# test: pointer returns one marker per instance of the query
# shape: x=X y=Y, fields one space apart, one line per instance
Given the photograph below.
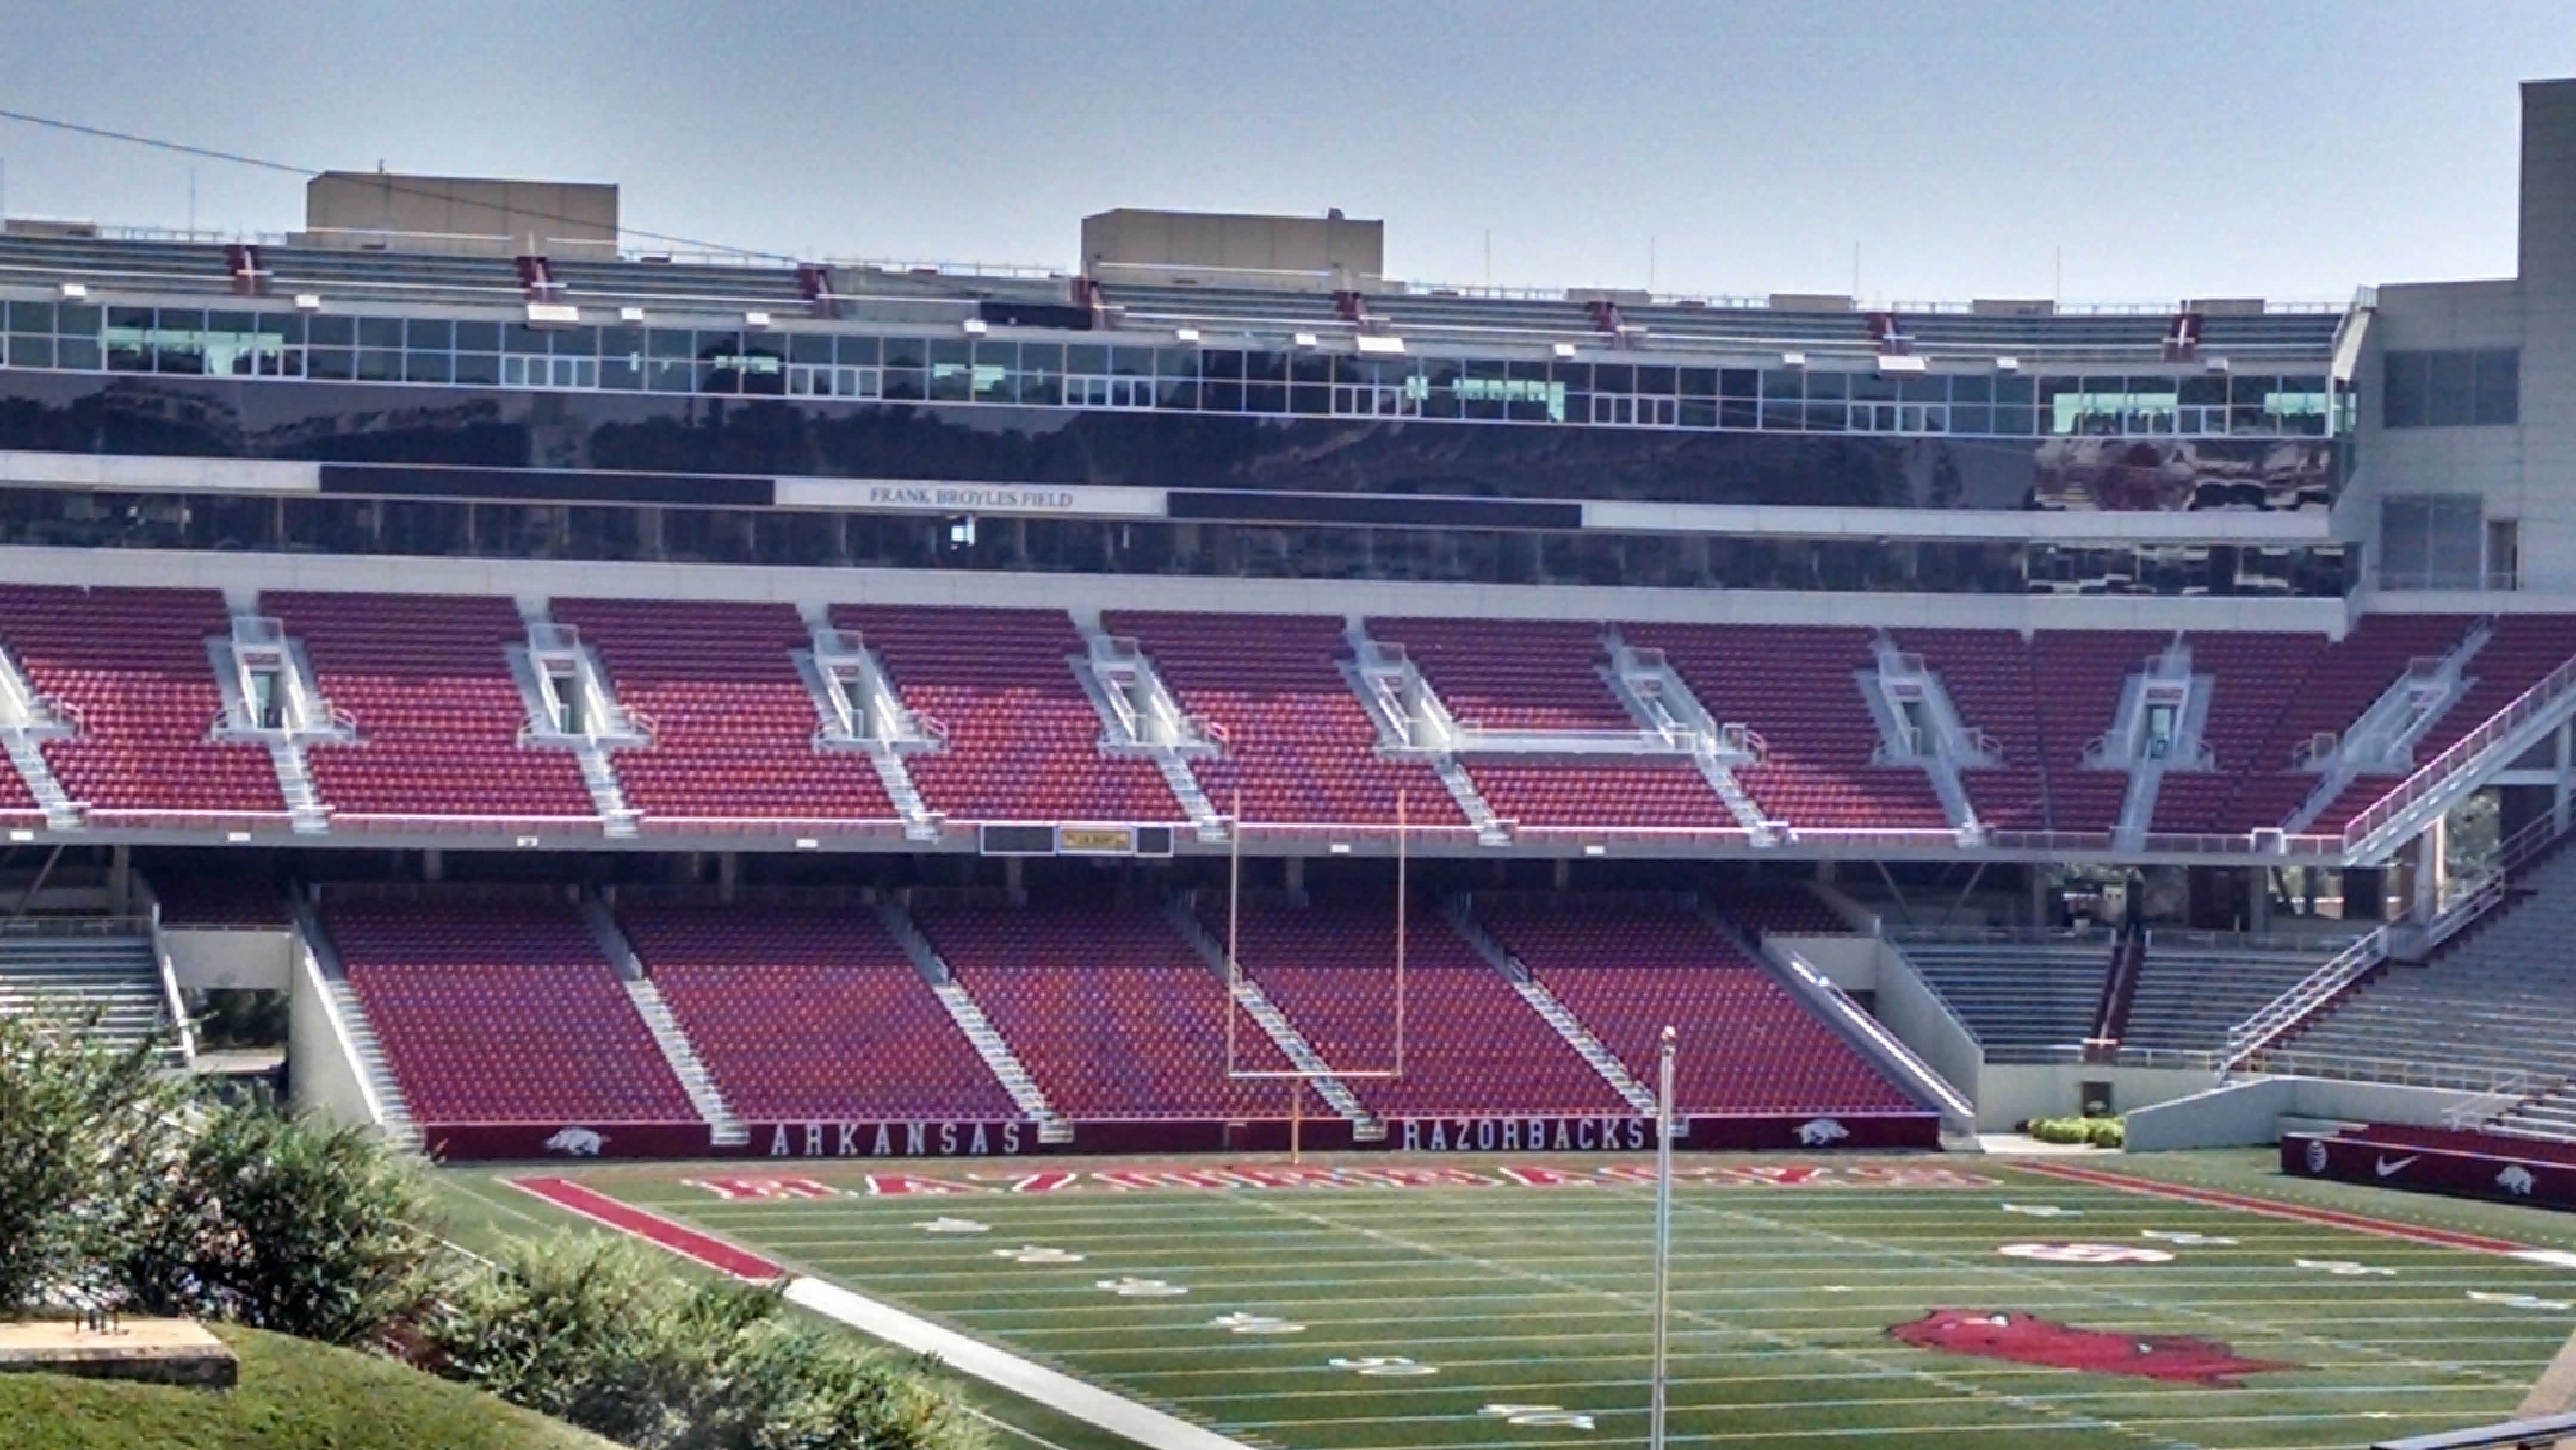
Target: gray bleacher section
x=2194 y=988
x=66 y=978
x=2028 y=997
x=2499 y=999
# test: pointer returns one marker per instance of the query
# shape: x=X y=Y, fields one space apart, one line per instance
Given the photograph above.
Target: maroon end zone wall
x=772 y=1142
x=2460 y=1172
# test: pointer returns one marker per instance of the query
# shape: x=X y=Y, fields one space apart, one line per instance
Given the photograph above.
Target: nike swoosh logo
x=2384 y=1167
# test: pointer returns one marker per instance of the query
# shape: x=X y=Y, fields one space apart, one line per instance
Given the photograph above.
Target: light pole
x=1663 y=1232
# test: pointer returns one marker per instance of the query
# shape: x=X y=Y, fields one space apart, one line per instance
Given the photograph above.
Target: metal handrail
x=2463 y=755
x=2311 y=991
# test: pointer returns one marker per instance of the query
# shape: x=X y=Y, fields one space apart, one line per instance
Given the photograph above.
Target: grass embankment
x=293 y=1395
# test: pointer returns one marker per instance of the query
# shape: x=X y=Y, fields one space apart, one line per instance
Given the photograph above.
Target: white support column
x=728 y=876
x=433 y=864
x=2431 y=867
x=120 y=880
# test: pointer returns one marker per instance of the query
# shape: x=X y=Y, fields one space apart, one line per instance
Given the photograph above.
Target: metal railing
x=2465 y=754
x=2405 y=1072
x=2310 y=992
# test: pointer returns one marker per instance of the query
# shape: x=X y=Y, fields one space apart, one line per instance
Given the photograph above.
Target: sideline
x=1096 y=1407
x=2441 y=1238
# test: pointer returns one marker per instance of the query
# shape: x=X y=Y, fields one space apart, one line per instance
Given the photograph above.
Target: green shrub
x=82 y=1129
x=599 y=1333
x=2100 y=1132
x=283 y=1223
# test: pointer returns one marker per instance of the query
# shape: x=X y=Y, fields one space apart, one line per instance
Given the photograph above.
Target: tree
x=82 y=1127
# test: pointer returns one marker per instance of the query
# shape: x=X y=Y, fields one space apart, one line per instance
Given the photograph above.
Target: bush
x=2100 y=1132
x=82 y=1129
x=599 y=1333
x=286 y=1224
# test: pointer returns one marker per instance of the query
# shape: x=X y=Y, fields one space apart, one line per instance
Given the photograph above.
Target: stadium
x=1073 y=743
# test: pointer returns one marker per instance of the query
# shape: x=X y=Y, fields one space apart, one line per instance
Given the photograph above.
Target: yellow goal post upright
x=1297 y=1077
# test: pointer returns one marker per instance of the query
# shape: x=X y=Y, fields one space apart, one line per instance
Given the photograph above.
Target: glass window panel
x=951 y=352
x=1971 y=418
x=904 y=383
x=31 y=317
x=31 y=352
x=575 y=341
x=810 y=347
x=2447 y=394
x=478 y=367
x=1699 y=382
x=1738 y=383
x=332 y=331
x=80 y=321
x=1613 y=378
x=1091 y=360
x=1738 y=413
x=995 y=358
x=1968 y=388
x=1828 y=387
x=2404 y=390
x=2496 y=386
x=1866 y=387
x=907 y=352
x=383 y=332
x=1176 y=362
x=1662 y=382
x=2016 y=422
x=1783 y=384
x=232 y=322
x=623 y=372
x=380 y=365
x=428 y=367
x=328 y=362
x=519 y=337
x=78 y=353
x=432 y=333
x=1042 y=357
x=478 y=337
x=135 y=319
x=1131 y=362
x=856 y=351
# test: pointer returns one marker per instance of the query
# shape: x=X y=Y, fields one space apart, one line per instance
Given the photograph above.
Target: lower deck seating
x=2499 y=998
x=2022 y=999
x=1744 y=1044
x=1112 y=1012
x=1589 y=793
x=2189 y=996
x=503 y=1013
x=109 y=987
x=811 y=1014
x=1471 y=1046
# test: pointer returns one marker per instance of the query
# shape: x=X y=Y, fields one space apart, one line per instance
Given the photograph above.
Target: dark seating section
x=427 y=679
x=133 y=662
x=733 y=722
x=503 y=1013
x=807 y=1014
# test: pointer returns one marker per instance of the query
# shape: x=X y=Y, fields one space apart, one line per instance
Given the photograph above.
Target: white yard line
x=1060 y=1392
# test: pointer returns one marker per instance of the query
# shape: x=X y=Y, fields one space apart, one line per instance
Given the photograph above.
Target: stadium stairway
x=2028 y=996
x=962 y=1009
x=1460 y=911
x=349 y=1016
x=725 y=1127
x=1366 y=1127
x=2550 y=1114
x=2193 y=990
x=108 y=985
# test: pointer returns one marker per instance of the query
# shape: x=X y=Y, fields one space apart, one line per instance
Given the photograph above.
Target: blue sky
x=2289 y=148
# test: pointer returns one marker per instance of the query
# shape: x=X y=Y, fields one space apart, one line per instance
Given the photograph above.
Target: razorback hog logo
x=2515 y=1179
x=1817 y=1132
x=2028 y=1339
x=576 y=1142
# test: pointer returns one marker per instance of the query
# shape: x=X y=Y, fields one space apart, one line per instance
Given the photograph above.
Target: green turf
x=293 y=1395
x=1783 y=1297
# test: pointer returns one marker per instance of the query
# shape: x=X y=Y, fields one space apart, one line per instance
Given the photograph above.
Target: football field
x=1931 y=1301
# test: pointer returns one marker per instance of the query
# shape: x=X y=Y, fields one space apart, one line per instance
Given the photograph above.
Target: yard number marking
x=952 y=1226
x=1255 y=1324
x=1033 y=1254
x=2043 y=1210
x=1538 y=1415
x=1131 y=1287
x=2086 y=1253
x=2186 y=1239
x=2520 y=1301
x=1381 y=1366
x=2343 y=1268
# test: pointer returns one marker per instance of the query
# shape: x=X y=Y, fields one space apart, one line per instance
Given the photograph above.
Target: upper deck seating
x=1988 y=676
x=2079 y=675
x=1023 y=737
x=1300 y=747
x=134 y=663
x=2254 y=680
x=427 y=678
x=733 y=721
x=1798 y=687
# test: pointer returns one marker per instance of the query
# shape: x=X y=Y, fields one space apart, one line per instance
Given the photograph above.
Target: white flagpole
x=1663 y=1232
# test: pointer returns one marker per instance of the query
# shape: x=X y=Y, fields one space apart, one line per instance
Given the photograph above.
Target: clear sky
x=2289 y=148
